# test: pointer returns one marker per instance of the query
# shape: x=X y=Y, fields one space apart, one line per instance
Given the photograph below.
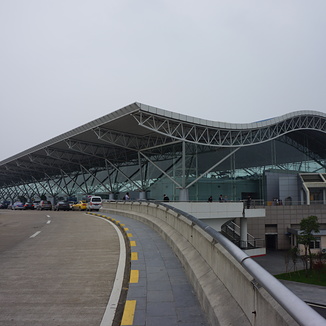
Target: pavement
x=57 y=268
x=275 y=263
x=159 y=290
x=163 y=294
x=54 y=271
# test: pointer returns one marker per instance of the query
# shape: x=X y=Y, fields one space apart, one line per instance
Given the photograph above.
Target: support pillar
x=183 y=194
x=142 y=195
x=243 y=232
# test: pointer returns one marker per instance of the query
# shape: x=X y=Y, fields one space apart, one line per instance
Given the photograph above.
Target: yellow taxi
x=80 y=206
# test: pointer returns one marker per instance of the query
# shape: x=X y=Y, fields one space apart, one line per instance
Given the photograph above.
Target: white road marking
x=117 y=285
x=35 y=234
x=315 y=305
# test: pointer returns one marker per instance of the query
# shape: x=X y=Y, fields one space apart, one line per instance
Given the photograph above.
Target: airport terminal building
x=148 y=152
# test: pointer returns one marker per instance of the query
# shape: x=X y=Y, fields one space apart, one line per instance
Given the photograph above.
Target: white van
x=94 y=203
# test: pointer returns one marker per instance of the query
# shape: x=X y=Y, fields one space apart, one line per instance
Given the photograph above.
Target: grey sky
x=65 y=63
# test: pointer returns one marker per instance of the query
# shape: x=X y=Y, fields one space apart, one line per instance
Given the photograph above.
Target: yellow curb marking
x=129 y=313
x=134 y=256
x=134 y=276
x=132 y=243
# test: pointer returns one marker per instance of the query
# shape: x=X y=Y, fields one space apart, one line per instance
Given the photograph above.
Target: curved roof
x=117 y=137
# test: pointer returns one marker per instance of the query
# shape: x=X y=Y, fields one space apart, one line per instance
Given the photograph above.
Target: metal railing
x=232 y=231
x=298 y=309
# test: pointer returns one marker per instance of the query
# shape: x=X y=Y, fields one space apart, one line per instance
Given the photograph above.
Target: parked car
x=62 y=206
x=45 y=204
x=80 y=206
x=17 y=205
x=36 y=203
x=71 y=203
x=94 y=203
x=28 y=205
x=4 y=204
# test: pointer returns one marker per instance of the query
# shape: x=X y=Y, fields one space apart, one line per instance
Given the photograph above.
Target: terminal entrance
x=271 y=241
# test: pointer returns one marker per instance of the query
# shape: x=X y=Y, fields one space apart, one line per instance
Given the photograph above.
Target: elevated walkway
x=159 y=293
x=232 y=289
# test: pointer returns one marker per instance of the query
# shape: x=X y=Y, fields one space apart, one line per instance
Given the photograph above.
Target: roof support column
x=183 y=182
x=142 y=192
x=243 y=232
x=184 y=192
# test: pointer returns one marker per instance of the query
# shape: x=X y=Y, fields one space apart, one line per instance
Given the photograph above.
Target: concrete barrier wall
x=227 y=292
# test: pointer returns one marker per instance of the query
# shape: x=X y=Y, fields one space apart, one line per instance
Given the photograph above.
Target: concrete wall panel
x=224 y=288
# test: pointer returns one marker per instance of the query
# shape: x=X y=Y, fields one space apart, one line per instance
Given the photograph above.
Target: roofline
x=228 y=125
x=136 y=107
x=76 y=131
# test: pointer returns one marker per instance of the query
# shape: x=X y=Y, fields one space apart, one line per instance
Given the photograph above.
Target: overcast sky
x=64 y=63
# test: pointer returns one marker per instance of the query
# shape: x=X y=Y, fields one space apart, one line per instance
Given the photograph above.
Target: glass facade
x=145 y=150
x=205 y=171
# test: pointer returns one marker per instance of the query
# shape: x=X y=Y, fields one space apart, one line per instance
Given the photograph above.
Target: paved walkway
x=163 y=294
x=159 y=286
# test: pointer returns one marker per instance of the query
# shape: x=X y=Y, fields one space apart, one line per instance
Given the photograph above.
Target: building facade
x=150 y=152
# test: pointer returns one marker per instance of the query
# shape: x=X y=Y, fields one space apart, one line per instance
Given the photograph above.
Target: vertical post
x=183 y=193
x=183 y=184
x=243 y=232
x=142 y=195
x=141 y=171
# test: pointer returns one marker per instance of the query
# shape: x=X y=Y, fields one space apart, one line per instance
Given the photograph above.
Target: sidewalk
x=274 y=263
x=162 y=291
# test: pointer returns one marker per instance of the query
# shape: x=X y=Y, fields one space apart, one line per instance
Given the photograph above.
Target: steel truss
x=231 y=136
x=100 y=157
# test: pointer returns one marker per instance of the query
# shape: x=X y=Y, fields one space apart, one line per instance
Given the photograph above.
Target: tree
x=308 y=225
x=292 y=255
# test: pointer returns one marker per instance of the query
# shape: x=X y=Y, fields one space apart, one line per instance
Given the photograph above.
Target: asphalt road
x=57 y=268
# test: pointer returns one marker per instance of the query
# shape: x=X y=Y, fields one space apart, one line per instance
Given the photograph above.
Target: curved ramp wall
x=231 y=287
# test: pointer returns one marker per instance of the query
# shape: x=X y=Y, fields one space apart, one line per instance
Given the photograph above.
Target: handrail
x=235 y=230
x=296 y=308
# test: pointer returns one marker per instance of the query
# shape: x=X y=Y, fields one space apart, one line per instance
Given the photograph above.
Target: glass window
x=315 y=244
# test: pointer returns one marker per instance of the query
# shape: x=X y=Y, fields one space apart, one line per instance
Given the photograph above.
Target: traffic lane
x=15 y=226
x=61 y=276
